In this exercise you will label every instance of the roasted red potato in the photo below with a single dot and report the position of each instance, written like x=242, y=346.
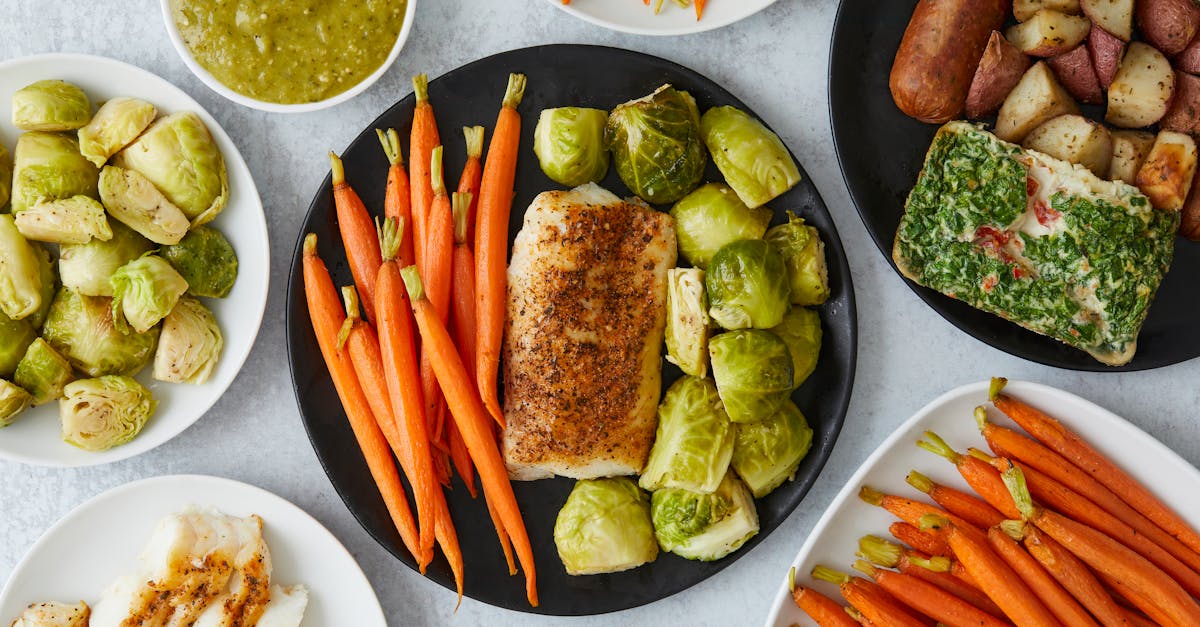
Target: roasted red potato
x=1114, y=16
x=1141, y=91
x=1024, y=9
x=1076, y=139
x=1075, y=72
x=999, y=71
x=1166, y=176
x=1169, y=25
x=1106, y=50
x=1184, y=114
x=1049, y=33
x=1130, y=149
x=941, y=48
x=1036, y=98
x=1189, y=60
x=1189, y=225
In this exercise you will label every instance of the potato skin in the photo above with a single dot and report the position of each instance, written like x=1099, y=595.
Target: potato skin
x=1184, y=114
x=999, y=71
x=941, y=48
x=1189, y=60
x=1106, y=50
x=1169, y=25
x=1075, y=72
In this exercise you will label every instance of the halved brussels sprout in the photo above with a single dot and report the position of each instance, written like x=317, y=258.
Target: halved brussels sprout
x=687, y=321
x=656, y=144
x=694, y=441
x=604, y=527
x=98, y=414
x=22, y=271
x=753, y=370
x=43, y=372
x=116, y=124
x=132, y=199
x=86, y=268
x=6, y=175
x=49, y=282
x=74, y=220
x=766, y=453
x=50, y=105
x=15, y=338
x=13, y=400
x=704, y=527
x=48, y=166
x=206, y=261
x=804, y=253
x=145, y=290
x=753, y=160
x=711, y=217
x=747, y=285
x=189, y=345
x=81, y=328
x=569, y=144
x=178, y=155
x=801, y=331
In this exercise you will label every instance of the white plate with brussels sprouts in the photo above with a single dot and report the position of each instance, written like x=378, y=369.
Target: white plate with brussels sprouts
x=134, y=264
x=662, y=17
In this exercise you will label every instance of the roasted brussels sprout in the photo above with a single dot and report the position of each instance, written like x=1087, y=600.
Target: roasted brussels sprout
x=22, y=272
x=48, y=166
x=116, y=124
x=711, y=217
x=656, y=144
x=86, y=268
x=753, y=370
x=43, y=372
x=753, y=160
x=705, y=527
x=687, y=321
x=767, y=452
x=747, y=284
x=145, y=290
x=50, y=105
x=13, y=400
x=178, y=155
x=694, y=441
x=569, y=144
x=189, y=345
x=74, y=220
x=804, y=253
x=81, y=328
x=604, y=527
x=6, y=175
x=132, y=199
x=801, y=331
x=15, y=338
x=206, y=261
x=49, y=283
x=98, y=414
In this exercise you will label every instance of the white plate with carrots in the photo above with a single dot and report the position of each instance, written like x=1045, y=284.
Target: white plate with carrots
x=835, y=539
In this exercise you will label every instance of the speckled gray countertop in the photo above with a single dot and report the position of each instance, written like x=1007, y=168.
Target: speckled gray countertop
x=776, y=61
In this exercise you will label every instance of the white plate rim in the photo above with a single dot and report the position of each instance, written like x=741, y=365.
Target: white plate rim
x=253, y=315
x=979, y=390
x=663, y=30
x=231, y=485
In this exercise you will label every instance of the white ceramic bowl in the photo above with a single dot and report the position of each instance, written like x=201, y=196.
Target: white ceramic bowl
x=410, y=12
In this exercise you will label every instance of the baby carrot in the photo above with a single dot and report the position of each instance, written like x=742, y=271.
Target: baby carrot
x=822, y=609
x=326, y=314
x=460, y=457
x=447, y=538
x=876, y=604
x=957, y=502
x=358, y=235
x=1067, y=443
x=491, y=242
x=918, y=539
x=472, y=172
x=397, y=200
x=462, y=283
x=1069, y=572
x=928, y=599
x=1057, y=599
x=423, y=136
x=934, y=570
x=472, y=420
x=980, y=475
x=908, y=510
x=435, y=274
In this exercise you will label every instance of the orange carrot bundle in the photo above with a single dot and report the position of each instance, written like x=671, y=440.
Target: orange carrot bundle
x=358, y=234
x=491, y=242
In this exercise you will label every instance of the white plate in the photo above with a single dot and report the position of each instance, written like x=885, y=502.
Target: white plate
x=632, y=16
x=835, y=537
x=98, y=541
x=34, y=437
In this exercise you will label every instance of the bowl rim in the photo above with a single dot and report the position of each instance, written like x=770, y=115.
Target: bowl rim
x=410, y=10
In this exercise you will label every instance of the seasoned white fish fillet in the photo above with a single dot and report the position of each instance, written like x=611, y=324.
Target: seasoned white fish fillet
x=286, y=608
x=587, y=293
x=53, y=614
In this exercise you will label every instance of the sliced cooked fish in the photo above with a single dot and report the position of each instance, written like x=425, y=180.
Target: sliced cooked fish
x=587, y=289
x=54, y=614
x=286, y=608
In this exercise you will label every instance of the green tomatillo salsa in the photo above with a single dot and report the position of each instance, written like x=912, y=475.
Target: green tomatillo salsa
x=289, y=51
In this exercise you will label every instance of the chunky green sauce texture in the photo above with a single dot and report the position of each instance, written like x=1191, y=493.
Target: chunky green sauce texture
x=1089, y=283
x=289, y=51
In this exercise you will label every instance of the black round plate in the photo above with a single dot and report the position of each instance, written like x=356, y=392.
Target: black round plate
x=881, y=151
x=558, y=76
